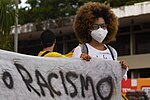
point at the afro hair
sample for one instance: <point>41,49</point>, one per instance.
<point>85,17</point>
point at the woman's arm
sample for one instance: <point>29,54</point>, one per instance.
<point>78,54</point>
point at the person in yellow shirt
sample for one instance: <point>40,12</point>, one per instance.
<point>48,41</point>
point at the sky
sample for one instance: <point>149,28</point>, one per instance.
<point>23,4</point>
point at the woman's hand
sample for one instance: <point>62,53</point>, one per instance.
<point>123,64</point>
<point>85,57</point>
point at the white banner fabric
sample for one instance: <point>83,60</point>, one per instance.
<point>24,77</point>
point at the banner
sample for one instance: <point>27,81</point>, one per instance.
<point>25,77</point>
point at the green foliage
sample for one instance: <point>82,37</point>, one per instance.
<point>5,41</point>
<point>52,9</point>
<point>7,20</point>
<point>46,9</point>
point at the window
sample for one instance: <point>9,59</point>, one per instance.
<point>122,45</point>
<point>142,43</point>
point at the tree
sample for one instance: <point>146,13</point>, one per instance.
<point>52,9</point>
<point>49,9</point>
<point>7,20</point>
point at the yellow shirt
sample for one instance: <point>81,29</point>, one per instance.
<point>51,54</point>
<point>69,54</point>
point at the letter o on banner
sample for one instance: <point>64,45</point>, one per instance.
<point>105,88</point>
<point>7,79</point>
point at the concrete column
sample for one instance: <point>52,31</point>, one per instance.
<point>132,38</point>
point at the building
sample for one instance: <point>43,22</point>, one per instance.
<point>132,41</point>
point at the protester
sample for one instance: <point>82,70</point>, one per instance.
<point>48,41</point>
<point>95,26</point>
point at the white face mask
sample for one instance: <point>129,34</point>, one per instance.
<point>99,34</point>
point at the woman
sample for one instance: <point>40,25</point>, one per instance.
<point>95,26</point>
